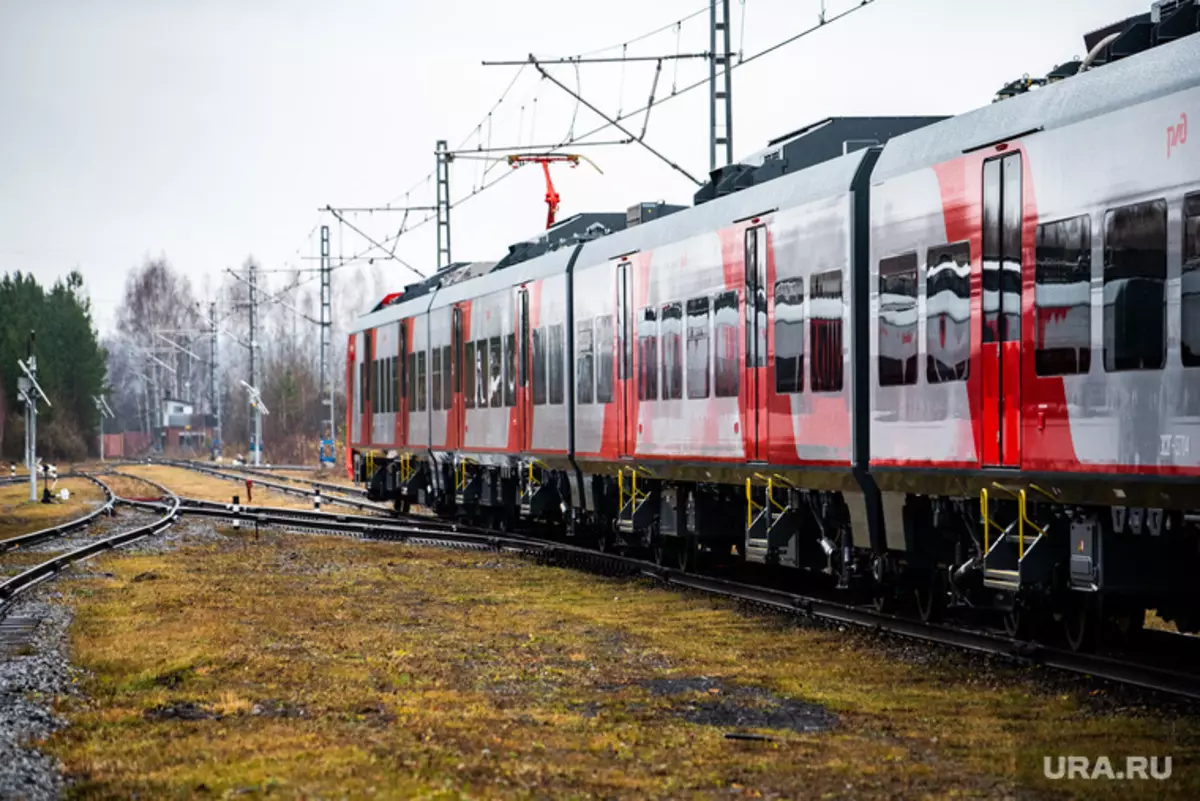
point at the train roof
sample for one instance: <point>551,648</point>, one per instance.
<point>1163,70</point>
<point>823,180</point>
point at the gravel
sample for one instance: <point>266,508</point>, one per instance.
<point>28,684</point>
<point>32,675</point>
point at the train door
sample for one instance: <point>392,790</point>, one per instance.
<point>402,387</point>
<point>1001,349</point>
<point>370,384</point>
<point>755,379</point>
<point>524,395</point>
<point>456,419</point>
<point>625,383</point>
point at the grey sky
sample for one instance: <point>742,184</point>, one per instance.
<point>210,131</point>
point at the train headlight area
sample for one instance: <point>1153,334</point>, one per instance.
<point>945,361</point>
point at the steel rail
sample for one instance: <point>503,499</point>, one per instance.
<point>324,485</point>
<point>51,567</point>
<point>13,543</point>
<point>284,488</point>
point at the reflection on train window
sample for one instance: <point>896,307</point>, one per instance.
<point>469,374</point>
<point>495,374</point>
<point>510,370</point>
<point>1135,279</point>
<point>789,336</point>
<point>538,336</point>
<point>647,372</point>
<point>555,369</point>
<point>435,371</point>
<point>604,359</point>
<point>585,362</point>
<point>1189,310</point>
<point>948,313</point>
<point>362,387</point>
<point>756,296</point>
<point>1062,297</point>
<point>412,380</point>
<point>447,395</point>
<point>697,348</point>
<point>481,374</point>
<point>421,381</point>
<point>672,351</point>
<point>898,320</point>
<point>725,344</point>
<point>394,405</point>
<point>825,315</point>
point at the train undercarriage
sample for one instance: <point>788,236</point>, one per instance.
<point>1079,575</point>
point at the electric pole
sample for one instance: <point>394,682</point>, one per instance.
<point>444,157</point>
<point>214,397</point>
<point>256,423</point>
<point>720,85</point>
<point>105,411</point>
<point>326,452</point>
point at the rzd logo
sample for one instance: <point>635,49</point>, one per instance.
<point>1177,134</point>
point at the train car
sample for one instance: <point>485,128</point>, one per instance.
<point>1033,388</point>
<point>700,425</point>
<point>505,407</point>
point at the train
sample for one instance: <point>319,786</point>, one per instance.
<point>944,361</point>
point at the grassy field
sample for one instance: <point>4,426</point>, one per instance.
<point>321,667</point>
<point>19,515</point>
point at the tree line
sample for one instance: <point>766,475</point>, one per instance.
<point>163,346</point>
<point>71,365</point>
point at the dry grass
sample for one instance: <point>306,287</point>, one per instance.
<point>19,515</point>
<point>191,484</point>
<point>307,667</point>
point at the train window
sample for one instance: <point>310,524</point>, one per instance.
<point>948,313</point>
<point>510,370</point>
<point>495,373</point>
<point>725,344</point>
<point>672,351</point>
<point>825,317</point>
<point>647,371</point>
<point>604,359</point>
<point>789,336</point>
<point>481,374</point>
<point>1135,279</point>
<point>1062,297</point>
<point>756,296</point>
<point>392,371</point>
<point>412,381</point>
<point>469,375</point>
<point>697,348</point>
<point>585,367</point>
<point>554,367</point>
<point>435,371</point>
<point>421,381</point>
<point>898,320</point>
<point>447,393</point>
<point>1189,309</point>
<point>362,387</point>
<point>539,366</point>
<point>385,396</point>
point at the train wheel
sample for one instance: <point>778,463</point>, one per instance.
<point>930,596</point>
<point>1018,622</point>
<point>1081,621</point>
<point>664,552</point>
<point>687,554</point>
<point>1123,621</point>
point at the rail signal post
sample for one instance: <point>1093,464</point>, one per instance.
<point>105,411</point>
<point>260,408</point>
<point>27,387</point>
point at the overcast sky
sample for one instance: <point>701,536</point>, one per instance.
<point>207,132</point>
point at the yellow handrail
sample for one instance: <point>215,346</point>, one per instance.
<point>983,504</point>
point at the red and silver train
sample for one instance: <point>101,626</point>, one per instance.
<point>950,359</point>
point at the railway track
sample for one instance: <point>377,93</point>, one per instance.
<point>420,530</point>
<point>327,490</point>
<point>31,577</point>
